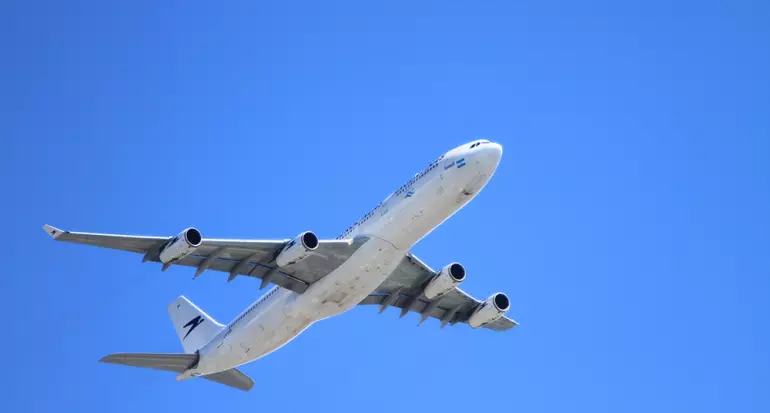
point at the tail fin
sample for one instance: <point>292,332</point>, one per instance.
<point>179,363</point>
<point>194,327</point>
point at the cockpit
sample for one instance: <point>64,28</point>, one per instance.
<point>477,143</point>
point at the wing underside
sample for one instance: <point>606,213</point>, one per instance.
<point>403,289</point>
<point>252,258</point>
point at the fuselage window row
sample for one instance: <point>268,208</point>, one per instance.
<point>397,193</point>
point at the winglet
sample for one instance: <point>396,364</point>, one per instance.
<point>53,231</point>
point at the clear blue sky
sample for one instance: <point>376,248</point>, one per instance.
<point>628,220</point>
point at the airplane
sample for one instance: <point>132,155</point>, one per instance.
<point>368,264</point>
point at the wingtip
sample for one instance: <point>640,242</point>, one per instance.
<point>107,359</point>
<point>52,231</point>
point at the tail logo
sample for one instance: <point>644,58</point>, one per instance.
<point>195,322</point>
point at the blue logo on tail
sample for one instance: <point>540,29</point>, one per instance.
<point>195,322</point>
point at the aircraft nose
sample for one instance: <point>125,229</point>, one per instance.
<point>492,152</point>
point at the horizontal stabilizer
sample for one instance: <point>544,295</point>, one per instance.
<point>233,378</point>
<point>167,362</point>
<point>178,363</point>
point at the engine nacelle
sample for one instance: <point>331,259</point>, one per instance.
<point>178,247</point>
<point>297,249</point>
<point>449,277</point>
<point>492,309</point>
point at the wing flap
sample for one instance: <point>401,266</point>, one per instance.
<point>252,269</point>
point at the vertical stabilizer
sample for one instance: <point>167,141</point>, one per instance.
<point>194,327</point>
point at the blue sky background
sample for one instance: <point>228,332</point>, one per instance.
<point>628,220</point>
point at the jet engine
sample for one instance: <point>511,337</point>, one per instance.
<point>449,277</point>
<point>178,247</point>
<point>490,310</point>
<point>297,249</point>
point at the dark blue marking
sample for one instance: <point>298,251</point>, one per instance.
<point>195,322</point>
<point>460,165</point>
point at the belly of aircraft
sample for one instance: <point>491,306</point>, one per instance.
<point>260,337</point>
<point>391,239</point>
<point>356,278</point>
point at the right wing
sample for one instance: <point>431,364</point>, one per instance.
<point>404,289</point>
<point>253,258</point>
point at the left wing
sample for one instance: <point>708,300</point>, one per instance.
<point>404,289</point>
<point>253,258</point>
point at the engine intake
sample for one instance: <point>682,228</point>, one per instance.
<point>297,249</point>
<point>180,246</point>
<point>490,310</point>
<point>448,278</point>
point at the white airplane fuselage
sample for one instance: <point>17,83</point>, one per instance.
<point>393,227</point>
